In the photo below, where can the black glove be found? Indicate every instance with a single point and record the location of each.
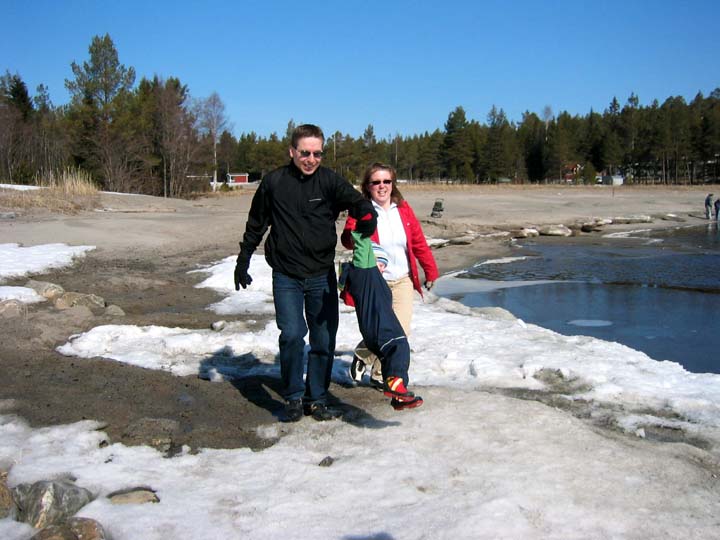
(365, 218)
(241, 271)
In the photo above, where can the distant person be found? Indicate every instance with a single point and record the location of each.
(717, 209)
(367, 290)
(401, 236)
(708, 206)
(300, 203)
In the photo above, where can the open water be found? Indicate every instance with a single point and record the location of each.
(654, 291)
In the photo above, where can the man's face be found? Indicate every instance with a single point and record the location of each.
(308, 154)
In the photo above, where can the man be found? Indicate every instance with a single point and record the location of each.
(717, 209)
(300, 202)
(708, 206)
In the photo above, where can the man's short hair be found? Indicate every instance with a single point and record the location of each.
(306, 130)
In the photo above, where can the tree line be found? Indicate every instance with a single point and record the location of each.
(153, 137)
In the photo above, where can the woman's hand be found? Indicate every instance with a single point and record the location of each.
(429, 285)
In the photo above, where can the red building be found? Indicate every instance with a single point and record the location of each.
(237, 178)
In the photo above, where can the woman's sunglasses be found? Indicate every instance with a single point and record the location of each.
(378, 182)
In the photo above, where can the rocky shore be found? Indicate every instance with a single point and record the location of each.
(138, 274)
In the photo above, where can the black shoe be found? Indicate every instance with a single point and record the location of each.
(322, 413)
(293, 411)
(377, 384)
(357, 369)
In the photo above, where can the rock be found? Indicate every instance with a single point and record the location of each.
(74, 529)
(138, 495)
(71, 299)
(79, 313)
(48, 503)
(157, 432)
(9, 309)
(114, 311)
(8, 508)
(593, 224)
(218, 325)
(462, 240)
(326, 461)
(525, 232)
(589, 227)
(87, 529)
(51, 291)
(631, 219)
(55, 532)
(555, 230)
(672, 217)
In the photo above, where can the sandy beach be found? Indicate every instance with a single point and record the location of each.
(145, 247)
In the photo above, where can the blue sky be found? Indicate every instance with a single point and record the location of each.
(401, 66)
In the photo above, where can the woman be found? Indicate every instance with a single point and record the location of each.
(400, 235)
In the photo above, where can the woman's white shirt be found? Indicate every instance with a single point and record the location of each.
(392, 238)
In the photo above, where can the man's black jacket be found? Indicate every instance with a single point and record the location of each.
(301, 212)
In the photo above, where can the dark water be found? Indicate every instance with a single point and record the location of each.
(656, 292)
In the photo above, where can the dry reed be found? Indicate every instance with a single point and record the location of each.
(68, 192)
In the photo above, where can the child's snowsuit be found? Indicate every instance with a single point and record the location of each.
(366, 289)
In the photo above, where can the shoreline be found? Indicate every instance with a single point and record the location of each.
(145, 247)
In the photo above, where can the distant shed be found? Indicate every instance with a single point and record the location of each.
(237, 178)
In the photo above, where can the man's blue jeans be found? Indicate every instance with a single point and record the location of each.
(319, 298)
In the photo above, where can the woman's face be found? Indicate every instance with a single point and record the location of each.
(380, 186)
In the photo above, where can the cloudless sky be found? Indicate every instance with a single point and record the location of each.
(401, 66)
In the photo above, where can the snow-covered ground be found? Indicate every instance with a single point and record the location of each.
(468, 464)
(19, 187)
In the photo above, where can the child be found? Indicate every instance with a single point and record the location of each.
(365, 288)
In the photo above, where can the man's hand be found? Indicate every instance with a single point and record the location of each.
(242, 278)
(365, 218)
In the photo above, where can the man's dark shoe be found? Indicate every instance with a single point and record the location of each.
(323, 413)
(357, 368)
(377, 384)
(293, 411)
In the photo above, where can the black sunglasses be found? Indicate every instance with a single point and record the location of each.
(378, 182)
(307, 153)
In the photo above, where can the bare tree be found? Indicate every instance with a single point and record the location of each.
(211, 121)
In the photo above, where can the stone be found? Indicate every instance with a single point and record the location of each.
(49, 502)
(525, 232)
(87, 529)
(48, 290)
(218, 325)
(72, 299)
(555, 230)
(79, 313)
(138, 495)
(8, 508)
(12, 308)
(55, 532)
(114, 311)
(326, 461)
(629, 220)
(157, 432)
(462, 240)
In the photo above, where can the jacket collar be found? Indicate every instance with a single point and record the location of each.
(297, 173)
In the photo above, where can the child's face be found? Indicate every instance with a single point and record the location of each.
(381, 266)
